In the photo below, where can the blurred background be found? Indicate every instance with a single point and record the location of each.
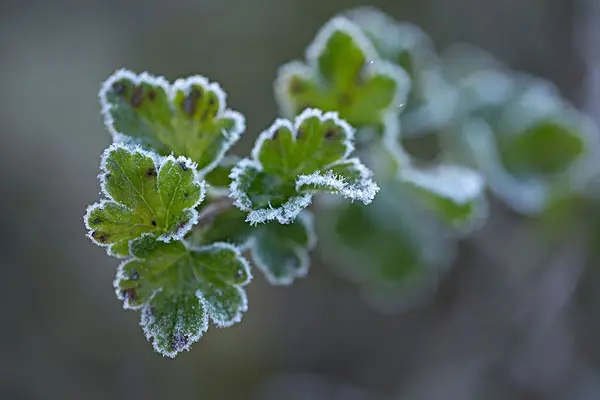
(517, 316)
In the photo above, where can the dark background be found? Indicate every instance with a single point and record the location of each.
(514, 319)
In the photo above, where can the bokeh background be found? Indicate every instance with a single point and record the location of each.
(516, 317)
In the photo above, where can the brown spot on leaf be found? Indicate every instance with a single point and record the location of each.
(330, 133)
(102, 237)
(153, 223)
(190, 102)
(212, 99)
(151, 172)
(137, 97)
(297, 86)
(152, 94)
(129, 294)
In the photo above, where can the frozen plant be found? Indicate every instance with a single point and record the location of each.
(182, 212)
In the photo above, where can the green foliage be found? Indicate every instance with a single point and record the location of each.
(547, 147)
(179, 288)
(183, 263)
(188, 117)
(291, 162)
(343, 73)
(144, 195)
(393, 250)
(281, 252)
(181, 211)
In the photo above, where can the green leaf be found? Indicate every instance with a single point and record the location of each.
(174, 323)
(392, 249)
(454, 193)
(188, 117)
(291, 162)
(162, 274)
(343, 73)
(547, 147)
(144, 195)
(403, 43)
(281, 252)
(431, 101)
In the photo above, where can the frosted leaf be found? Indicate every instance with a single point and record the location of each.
(188, 117)
(288, 159)
(431, 101)
(454, 192)
(144, 194)
(343, 73)
(174, 323)
(281, 251)
(164, 273)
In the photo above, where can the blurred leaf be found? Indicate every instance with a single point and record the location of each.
(547, 147)
(344, 74)
(454, 193)
(393, 250)
(143, 196)
(188, 117)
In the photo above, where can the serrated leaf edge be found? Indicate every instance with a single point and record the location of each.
(182, 84)
(288, 211)
(298, 121)
(147, 318)
(120, 275)
(158, 162)
(364, 191)
(307, 219)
